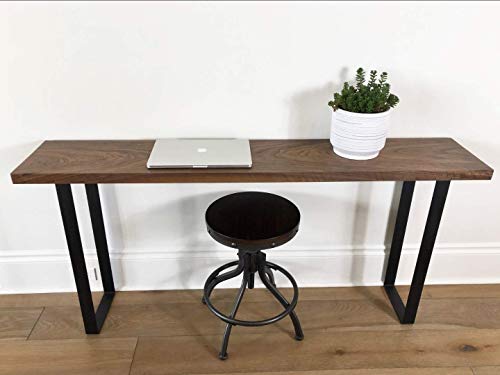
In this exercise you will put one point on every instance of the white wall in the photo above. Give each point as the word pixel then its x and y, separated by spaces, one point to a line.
pixel 258 70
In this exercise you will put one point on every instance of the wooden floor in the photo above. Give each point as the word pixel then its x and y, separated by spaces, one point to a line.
pixel 348 331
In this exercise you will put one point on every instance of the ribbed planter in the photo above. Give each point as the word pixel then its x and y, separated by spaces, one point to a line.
pixel 359 136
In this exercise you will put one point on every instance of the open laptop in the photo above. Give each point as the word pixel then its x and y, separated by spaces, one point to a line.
pixel 200 153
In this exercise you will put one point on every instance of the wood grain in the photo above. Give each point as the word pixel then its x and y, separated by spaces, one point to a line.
pixel 90 162
pixel 42 299
pixel 318 351
pixel 194 295
pixel 174 319
pixel 257 295
pixel 177 319
pixel 489 370
pixel 381 371
pixel 75 357
pixel 195 319
pixel 349 331
pixel 17 323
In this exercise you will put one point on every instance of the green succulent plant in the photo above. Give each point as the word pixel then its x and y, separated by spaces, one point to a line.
pixel 372 97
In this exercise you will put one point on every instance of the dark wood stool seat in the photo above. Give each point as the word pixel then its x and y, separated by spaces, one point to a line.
pixel 252 220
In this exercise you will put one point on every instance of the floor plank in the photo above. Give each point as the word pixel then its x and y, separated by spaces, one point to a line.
pixel 176 319
pixel 130 321
pixel 462 291
pixel 17 323
pixel 75 357
pixel 460 313
pixel 42 299
pixel 319 351
pixel 183 296
pixel 168 296
pixel 489 370
pixel 349 331
pixel 381 371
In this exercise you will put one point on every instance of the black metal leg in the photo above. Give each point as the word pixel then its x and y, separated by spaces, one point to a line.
pixel 74 241
pixel 237 302
pixel 299 334
pixel 251 280
pixel 396 247
pixel 426 248
pixel 93 321
pixel 399 231
pixel 407 314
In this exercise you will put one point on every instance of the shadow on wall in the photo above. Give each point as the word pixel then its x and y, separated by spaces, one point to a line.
pixel 310 117
pixel 359 228
pixel 359 235
pixel 310 114
pixel 184 216
pixel 391 221
pixel 114 230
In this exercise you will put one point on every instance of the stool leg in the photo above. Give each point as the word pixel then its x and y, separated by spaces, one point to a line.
pixel 269 273
pixel 251 280
pixel 227 332
pixel 251 267
pixel 299 335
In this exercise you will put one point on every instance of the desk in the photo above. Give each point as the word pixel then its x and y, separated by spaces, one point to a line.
pixel 63 163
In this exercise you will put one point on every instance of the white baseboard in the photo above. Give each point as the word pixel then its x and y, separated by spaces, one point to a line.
pixel 50 271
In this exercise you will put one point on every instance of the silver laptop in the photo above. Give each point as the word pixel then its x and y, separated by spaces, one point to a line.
pixel 200 153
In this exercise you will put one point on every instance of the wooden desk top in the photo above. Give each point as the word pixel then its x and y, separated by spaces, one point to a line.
pixel 307 160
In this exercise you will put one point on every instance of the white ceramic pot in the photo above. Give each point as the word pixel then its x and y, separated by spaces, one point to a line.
pixel 359 136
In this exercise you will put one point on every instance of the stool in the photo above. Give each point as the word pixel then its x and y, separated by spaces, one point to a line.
pixel 252 222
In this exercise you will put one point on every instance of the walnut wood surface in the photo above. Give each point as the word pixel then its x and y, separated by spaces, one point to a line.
pixel 124 161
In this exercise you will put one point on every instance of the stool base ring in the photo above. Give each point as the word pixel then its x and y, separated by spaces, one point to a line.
pixel 212 283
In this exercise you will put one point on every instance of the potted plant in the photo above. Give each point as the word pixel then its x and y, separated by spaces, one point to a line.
pixel 360 119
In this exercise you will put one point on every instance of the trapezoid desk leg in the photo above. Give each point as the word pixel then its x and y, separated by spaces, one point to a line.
pixel 426 248
pixel 93 321
pixel 396 247
pixel 407 314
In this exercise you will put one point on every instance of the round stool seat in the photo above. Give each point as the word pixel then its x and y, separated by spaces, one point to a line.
pixel 252 220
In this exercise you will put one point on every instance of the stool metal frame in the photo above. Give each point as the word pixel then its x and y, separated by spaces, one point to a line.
pixel 250 263
pixel 239 221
